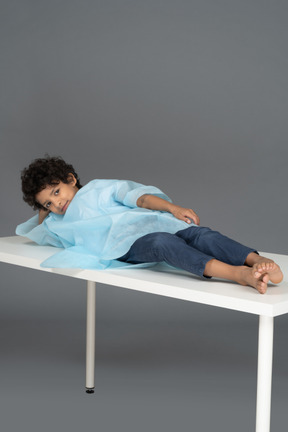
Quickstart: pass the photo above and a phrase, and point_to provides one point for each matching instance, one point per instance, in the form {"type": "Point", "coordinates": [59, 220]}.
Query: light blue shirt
{"type": "Point", "coordinates": [100, 225]}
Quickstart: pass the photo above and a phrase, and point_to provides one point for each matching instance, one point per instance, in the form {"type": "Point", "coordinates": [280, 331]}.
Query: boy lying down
{"type": "Point", "coordinates": [114, 223]}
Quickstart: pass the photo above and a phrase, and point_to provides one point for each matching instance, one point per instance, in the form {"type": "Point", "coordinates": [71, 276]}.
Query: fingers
{"type": "Point", "coordinates": [196, 219]}
{"type": "Point", "coordinates": [187, 215]}
{"type": "Point", "coordinates": [192, 215]}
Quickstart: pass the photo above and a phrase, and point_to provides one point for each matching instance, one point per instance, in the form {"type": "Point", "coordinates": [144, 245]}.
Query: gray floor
{"type": "Point", "coordinates": [161, 364]}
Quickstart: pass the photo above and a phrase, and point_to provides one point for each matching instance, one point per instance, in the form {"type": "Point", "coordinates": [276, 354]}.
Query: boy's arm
{"type": "Point", "coordinates": [42, 215]}
{"type": "Point", "coordinates": [153, 202]}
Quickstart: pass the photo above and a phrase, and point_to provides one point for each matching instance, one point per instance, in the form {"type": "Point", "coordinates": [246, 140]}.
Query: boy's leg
{"type": "Point", "coordinates": [230, 252]}
{"type": "Point", "coordinates": [173, 250]}
{"type": "Point", "coordinates": [216, 244]}
{"type": "Point", "coordinates": [157, 247]}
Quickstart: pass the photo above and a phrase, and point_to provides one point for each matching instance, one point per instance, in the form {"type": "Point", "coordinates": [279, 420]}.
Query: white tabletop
{"type": "Point", "coordinates": [161, 280]}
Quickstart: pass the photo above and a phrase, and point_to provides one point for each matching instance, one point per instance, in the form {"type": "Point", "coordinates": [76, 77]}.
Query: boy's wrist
{"type": "Point", "coordinates": [170, 207]}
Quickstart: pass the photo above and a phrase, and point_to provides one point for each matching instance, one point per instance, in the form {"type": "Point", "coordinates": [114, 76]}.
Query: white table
{"type": "Point", "coordinates": [176, 284]}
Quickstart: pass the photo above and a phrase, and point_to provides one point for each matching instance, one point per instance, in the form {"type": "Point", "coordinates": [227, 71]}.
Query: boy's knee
{"type": "Point", "coordinates": [159, 243]}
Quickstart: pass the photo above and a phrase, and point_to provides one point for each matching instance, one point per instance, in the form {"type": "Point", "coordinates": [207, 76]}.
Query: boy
{"type": "Point", "coordinates": [112, 223]}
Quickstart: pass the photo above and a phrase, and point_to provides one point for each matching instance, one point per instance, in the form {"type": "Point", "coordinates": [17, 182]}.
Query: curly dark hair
{"type": "Point", "coordinates": [44, 172]}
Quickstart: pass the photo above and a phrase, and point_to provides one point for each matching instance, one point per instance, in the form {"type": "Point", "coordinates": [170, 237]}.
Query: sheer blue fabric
{"type": "Point", "coordinates": [100, 225]}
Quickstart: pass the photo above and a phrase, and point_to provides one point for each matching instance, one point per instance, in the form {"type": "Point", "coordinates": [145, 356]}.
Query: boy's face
{"type": "Point", "coordinates": [56, 198]}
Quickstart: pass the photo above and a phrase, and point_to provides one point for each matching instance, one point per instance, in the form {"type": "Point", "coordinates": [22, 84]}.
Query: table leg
{"type": "Point", "coordinates": [90, 336]}
{"type": "Point", "coordinates": [264, 380]}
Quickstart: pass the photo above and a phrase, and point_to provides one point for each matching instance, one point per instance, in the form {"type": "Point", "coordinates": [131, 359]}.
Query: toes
{"type": "Point", "coordinates": [274, 272]}
{"type": "Point", "coordinates": [264, 267]}
{"type": "Point", "coordinates": [261, 272]}
{"type": "Point", "coordinates": [258, 269]}
{"type": "Point", "coordinates": [262, 287]}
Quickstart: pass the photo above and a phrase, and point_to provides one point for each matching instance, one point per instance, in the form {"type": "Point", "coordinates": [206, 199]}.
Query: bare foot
{"type": "Point", "coordinates": [256, 275]}
{"type": "Point", "coordinates": [268, 267]}
{"type": "Point", "coordinates": [248, 277]}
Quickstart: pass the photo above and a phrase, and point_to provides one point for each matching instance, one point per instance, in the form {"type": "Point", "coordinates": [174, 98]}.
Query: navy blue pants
{"type": "Point", "coordinates": [189, 249]}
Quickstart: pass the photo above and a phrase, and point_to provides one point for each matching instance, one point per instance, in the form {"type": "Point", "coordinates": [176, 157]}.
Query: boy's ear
{"type": "Point", "coordinates": [71, 179]}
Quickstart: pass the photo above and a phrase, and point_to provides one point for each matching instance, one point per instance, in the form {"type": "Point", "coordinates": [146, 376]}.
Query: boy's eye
{"type": "Point", "coordinates": [48, 205]}
{"type": "Point", "coordinates": [57, 192]}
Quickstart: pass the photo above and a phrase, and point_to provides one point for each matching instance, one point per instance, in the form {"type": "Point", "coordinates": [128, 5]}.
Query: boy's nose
{"type": "Point", "coordinates": [57, 203]}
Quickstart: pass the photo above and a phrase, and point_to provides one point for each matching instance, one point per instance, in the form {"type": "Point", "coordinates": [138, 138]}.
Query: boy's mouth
{"type": "Point", "coordinates": [64, 208]}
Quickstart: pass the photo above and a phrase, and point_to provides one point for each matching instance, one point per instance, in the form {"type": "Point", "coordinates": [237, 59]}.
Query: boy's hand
{"type": "Point", "coordinates": [42, 215]}
{"type": "Point", "coordinates": [185, 214]}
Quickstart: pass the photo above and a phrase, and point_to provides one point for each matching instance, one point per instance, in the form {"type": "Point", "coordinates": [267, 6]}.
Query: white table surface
{"type": "Point", "coordinates": [166, 281]}
{"type": "Point", "coordinates": [161, 280]}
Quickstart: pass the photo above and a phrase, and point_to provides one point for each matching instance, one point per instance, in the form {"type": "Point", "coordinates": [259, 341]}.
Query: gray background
{"type": "Point", "coordinates": [190, 96]}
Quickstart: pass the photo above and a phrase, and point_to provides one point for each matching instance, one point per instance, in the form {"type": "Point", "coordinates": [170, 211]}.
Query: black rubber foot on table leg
{"type": "Point", "coordinates": [89, 390]}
